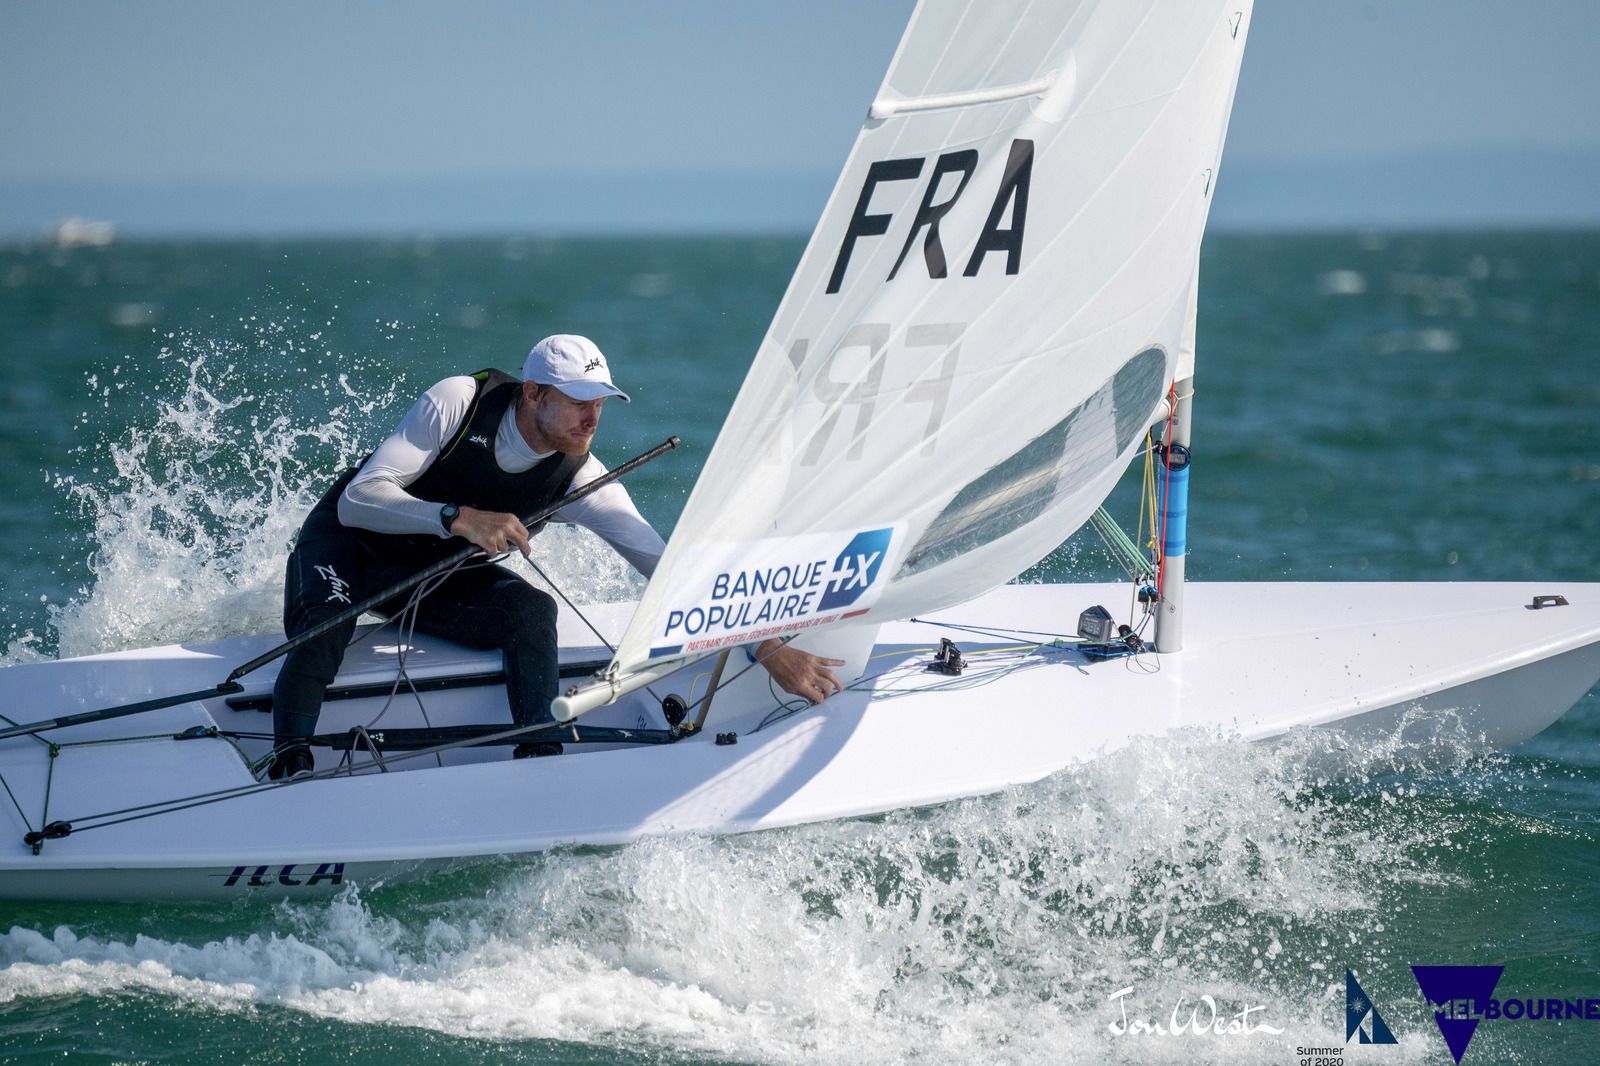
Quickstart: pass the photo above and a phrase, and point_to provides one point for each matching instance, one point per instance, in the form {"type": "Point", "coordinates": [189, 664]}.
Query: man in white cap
{"type": "Point", "coordinates": [474, 453]}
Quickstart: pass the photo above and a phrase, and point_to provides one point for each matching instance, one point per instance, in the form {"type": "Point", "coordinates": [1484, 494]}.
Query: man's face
{"type": "Point", "coordinates": [565, 423]}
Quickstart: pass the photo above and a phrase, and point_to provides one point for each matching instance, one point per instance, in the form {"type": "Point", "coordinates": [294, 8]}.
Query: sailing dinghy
{"type": "Point", "coordinates": [992, 320]}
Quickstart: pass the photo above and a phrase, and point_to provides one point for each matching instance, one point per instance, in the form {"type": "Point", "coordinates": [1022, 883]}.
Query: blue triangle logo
{"type": "Point", "coordinates": [1358, 1007]}
{"type": "Point", "coordinates": [1445, 985]}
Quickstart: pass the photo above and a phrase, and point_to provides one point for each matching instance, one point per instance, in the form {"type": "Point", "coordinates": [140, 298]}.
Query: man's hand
{"type": "Point", "coordinates": [493, 531]}
{"type": "Point", "coordinates": [799, 673]}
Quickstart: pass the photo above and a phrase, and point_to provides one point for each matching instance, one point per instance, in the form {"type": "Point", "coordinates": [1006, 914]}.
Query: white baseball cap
{"type": "Point", "coordinates": [572, 364]}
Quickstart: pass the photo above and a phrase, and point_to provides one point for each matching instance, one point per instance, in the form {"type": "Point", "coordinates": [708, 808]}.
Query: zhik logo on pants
{"type": "Point", "coordinates": [338, 587]}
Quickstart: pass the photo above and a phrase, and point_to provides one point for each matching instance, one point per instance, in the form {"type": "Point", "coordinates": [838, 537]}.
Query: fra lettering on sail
{"type": "Point", "coordinates": [1012, 192]}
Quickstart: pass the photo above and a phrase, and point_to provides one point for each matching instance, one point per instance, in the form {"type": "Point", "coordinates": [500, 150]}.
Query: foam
{"type": "Point", "coordinates": [994, 929]}
{"type": "Point", "coordinates": [194, 507]}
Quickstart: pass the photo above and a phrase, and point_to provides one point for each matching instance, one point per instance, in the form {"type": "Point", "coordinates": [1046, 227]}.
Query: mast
{"type": "Point", "coordinates": [1175, 458]}
{"type": "Point", "coordinates": [1176, 454]}
{"type": "Point", "coordinates": [1175, 521]}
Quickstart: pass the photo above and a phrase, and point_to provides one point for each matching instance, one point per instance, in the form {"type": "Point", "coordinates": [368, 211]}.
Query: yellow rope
{"type": "Point", "coordinates": [1148, 506]}
{"type": "Point", "coordinates": [899, 651]}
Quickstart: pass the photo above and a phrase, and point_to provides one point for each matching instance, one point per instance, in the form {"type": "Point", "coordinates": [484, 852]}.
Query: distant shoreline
{"type": "Point", "coordinates": [1529, 189]}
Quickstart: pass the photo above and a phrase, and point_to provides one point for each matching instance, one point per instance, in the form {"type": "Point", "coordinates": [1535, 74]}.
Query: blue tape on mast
{"type": "Point", "coordinates": [1176, 541]}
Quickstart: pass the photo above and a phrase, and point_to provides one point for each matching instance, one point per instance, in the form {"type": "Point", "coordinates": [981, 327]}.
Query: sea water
{"type": "Point", "coordinates": [1369, 407]}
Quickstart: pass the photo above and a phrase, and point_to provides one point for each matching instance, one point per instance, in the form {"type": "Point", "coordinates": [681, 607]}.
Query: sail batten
{"type": "Point", "coordinates": [985, 320]}
{"type": "Point", "coordinates": [889, 107]}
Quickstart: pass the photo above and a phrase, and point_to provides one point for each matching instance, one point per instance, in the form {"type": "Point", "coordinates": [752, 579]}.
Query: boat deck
{"type": "Point", "coordinates": [1261, 659]}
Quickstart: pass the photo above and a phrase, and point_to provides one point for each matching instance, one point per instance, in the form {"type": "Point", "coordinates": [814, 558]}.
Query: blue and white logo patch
{"type": "Point", "coordinates": [727, 594]}
{"type": "Point", "coordinates": [856, 568]}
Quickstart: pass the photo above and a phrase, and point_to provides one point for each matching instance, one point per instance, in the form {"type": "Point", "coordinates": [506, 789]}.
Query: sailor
{"type": "Point", "coordinates": [472, 454]}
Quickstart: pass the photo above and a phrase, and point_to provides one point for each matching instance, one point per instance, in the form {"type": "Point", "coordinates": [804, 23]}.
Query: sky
{"type": "Point", "coordinates": [224, 116]}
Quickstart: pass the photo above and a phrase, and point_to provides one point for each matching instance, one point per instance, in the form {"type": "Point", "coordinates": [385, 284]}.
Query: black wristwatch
{"type": "Point", "coordinates": [448, 515]}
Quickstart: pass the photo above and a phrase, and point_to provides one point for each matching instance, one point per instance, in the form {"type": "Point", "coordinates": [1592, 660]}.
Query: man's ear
{"type": "Point", "coordinates": [530, 392]}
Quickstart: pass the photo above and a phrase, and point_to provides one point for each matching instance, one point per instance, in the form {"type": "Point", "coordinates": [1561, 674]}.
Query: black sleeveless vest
{"type": "Point", "coordinates": [466, 474]}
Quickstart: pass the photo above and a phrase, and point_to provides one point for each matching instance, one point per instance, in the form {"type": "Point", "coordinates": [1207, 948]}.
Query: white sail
{"type": "Point", "coordinates": [981, 327]}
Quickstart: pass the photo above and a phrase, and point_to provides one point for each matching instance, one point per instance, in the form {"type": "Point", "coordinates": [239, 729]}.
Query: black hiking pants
{"type": "Point", "coordinates": [334, 566]}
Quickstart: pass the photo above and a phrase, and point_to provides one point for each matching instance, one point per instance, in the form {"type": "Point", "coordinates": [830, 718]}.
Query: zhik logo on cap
{"type": "Point", "coordinates": [572, 364]}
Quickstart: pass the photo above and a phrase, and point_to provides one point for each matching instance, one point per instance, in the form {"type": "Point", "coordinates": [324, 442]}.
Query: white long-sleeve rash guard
{"type": "Point", "coordinates": [376, 497]}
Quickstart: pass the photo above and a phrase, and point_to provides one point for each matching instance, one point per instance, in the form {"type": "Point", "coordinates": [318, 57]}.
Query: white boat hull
{"type": "Point", "coordinates": [1396, 661]}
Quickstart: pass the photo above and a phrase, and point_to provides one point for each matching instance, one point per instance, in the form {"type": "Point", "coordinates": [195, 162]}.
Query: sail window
{"type": "Point", "coordinates": [1053, 465]}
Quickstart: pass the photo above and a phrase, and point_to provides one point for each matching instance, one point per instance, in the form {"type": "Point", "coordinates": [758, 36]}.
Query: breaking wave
{"type": "Point", "coordinates": [997, 929]}
{"type": "Point", "coordinates": [192, 508]}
